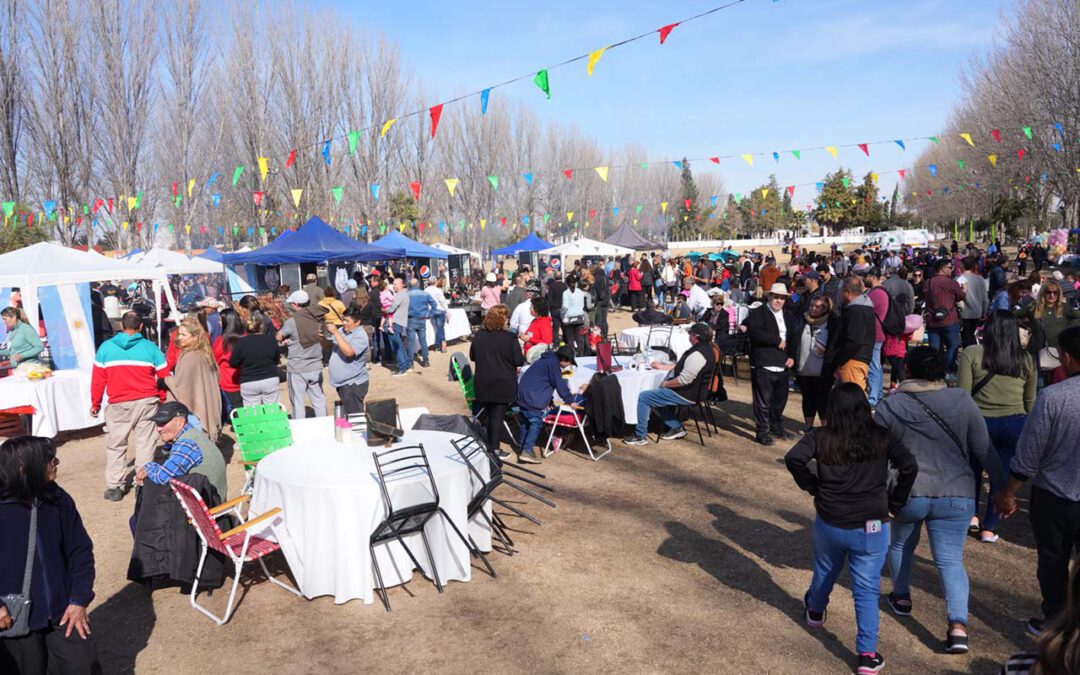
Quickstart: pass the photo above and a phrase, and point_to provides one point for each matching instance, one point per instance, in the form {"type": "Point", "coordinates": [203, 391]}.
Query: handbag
{"type": "Point", "coordinates": [1049, 358]}
{"type": "Point", "coordinates": [18, 604]}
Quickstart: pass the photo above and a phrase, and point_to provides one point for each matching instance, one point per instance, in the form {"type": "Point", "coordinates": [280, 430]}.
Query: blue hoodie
{"type": "Point", "coordinates": [540, 380]}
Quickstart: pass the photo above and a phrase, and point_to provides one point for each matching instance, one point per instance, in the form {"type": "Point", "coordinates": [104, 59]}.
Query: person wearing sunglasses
{"type": "Point", "coordinates": [1048, 316]}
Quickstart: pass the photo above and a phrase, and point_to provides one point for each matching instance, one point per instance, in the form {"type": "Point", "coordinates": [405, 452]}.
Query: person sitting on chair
{"type": "Point", "coordinates": [534, 396]}
{"type": "Point", "coordinates": [684, 386]}
{"type": "Point", "coordinates": [190, 450]}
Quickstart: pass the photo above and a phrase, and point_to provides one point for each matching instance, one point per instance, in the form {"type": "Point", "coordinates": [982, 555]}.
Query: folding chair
{"type": "Point", "coordinates": [238, 544]}
{"type": "Point", "coordinates": [403, 520]}
{"type": "Point", "coordinates": [700, 405]}
{"type": "Point", "coordinates": [468, 390]}
{"type": "Point", "coordinates": [474, 453]}
{"type": "Point", "coordinates": [572, 416]}
{"type": "Point", "coordinates": [260, 430]}
{"type": "Point", "coordinates": [659, 336]}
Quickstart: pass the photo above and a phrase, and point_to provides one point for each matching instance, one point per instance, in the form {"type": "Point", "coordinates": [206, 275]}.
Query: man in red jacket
{"type": "Point", "coordinates": [128, 366]}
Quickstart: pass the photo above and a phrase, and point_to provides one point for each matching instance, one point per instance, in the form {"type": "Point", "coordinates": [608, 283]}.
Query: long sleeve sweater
{"type": "Point", "coordinates": [1047, 451]}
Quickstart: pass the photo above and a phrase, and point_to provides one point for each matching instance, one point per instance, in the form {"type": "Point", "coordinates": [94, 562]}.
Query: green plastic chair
{"type": "Point", "coordinates": [260, 430]}
{"type": "Point", "coordinates": [468, 390]}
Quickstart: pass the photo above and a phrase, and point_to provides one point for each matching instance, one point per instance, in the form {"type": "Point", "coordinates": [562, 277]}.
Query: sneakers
{"type": "Point", "coordinates": [674, 434]}
{"type": "Point", "coordinates": [114, 494]}
{"type": "Point", "coordinates": [812, 618]}
{"type": "Point", "coordinates": [528, 458]}
{"type": "Point", "coordinates": [900, 606]}
{"type": "Point", "coordinates": [869, 664]}
{"type": "Point", "coordinates": [400, 373]}
{"type": "Point", "coordinates": [956, 643]}
{"type": "Point", "coordinates": [781, 434]}
{"type": "Point", "coordinates": [504, 455]}
{"type": "Point", "coordinates": [988, 537]}
{"type": "Point", "coordinates": [556, 444]}
{"type": "Point", "coordinates": [764, 440]}
{"type": "Point", "coordinates": [1035, 626]}
{"type": "Point", "coordinates": [425, 364]}
{"type": "Point", "coordinates": [635, 440]}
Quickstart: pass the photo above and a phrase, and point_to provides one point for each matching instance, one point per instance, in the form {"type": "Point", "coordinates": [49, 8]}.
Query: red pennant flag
{"type": "Point", "coordinates": [30, 220]}
{"type": "Point", "coordinates": [865, 147]}
{"type": "Point", "coordinates": [175, 189]}
{"type": "Point", "coordinates": [569, 173]}
{"type": "Point", "coordinates": [78, 220]}
{"type": "Point", "coordinates": [259, 198]}
{"type": "Point", "coordinates": [688, 202]}
{"type": "Point", "coordinates": [714, 160]}
{"type": "Point", "coordinates": [436, 114]}
{"type": "Point", "coordinates": [416, 189]}
{"type": "Point", "coordinates": [138, 226]}
{"type": "Point", "coordinates": [503, 221]}
{"type": "Point", "coordinates": [903, 172]}
{"type": "Point", "coordinates": [1027, 179]}
{"type": "Point", "coordinates": [592, 213]}
{"type": "Point", "coordinates": [666, 31]}
{"type": "Point", "coordinates": [791, 190]}
{"type": "Point", "coordinates": [423, 225]}
{"type": "Point", "coordinates": [111, 199]}
{"type": "Point", "coordinates": [1019, 153]}
{"type": "Point", "coordinates": [929, 193]}
{"type": "Point", "coordinates": [997, 134]}
{"type": "Point", "coordinates": [202, 229]}
{"type": "Point", "coordinates": [291, 160]}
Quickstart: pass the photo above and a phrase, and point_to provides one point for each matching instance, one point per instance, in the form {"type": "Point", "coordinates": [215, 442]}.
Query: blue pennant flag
{"type": "Point", "coordinates": [714, 199]}
{"type": "Point", "coordinates": [678, 164]}
{"type": "Point", "coordinates": [1057, 146]}
{"type": "Point", "coordinates": [901, 144]}
{"type": "Point", "coordinates": [213, 178]}
{"type": "Point", "coordinates": [525, 220]}
{"type": "Point", "coordinates": [1060, 127]}
{"type": "Point", "coordinates": [484, 96]}
{"type": "Point", "coordinates": [820, 186]}
{"type": "Point", "coordinates": [528, 177]}
{"type": "Point", "coordinates": [776, 156]}
{"type": "Point", "coordinates": [933, 169]}
{"type": "Point", "coordinates": [217, 199]}
{"type": "Point", "coordinates": [615, 210]}
{"type": "Point", "coordinates": [375, 191]}
{"type": "Point", "coordinates": [326, 152]}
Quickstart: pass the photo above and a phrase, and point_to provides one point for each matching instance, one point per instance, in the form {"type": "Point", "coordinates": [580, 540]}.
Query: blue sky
{"type": "Point", "coordinates": [758, 77]}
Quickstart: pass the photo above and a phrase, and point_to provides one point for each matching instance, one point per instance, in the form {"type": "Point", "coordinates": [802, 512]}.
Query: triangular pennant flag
{"type": "Point", "coordinates": [569, 216]}
{"type": "Point", "coordinates": [749, 159]}
{"type": "Point", "coordinates": [993, 159]}
{"type": "Point", "coordinates": [236, 175]}
{"type": "Point", "coordinates": [375, 191]}
{"type": "Point", "coordinates": [1019, 153]}
{"type": "Point", "coordinates": [713, 199]}
{"type": "Point", "coordinates": [296, 194]}
{"type": "Point", "coordinates": [688, 203]}
{"type": "Point", "coordinates": [569, 173]}
{"type": "Point", "coordinates": [451, 185]}
{"type": "Point", "coordinates": [820, 186]}
{"type": "Point", "coordinates": [832, 150]}
{"type": "Point", "coordinates": [541, 80]}
{"type": "Point", "coordinates": [797, 154]}
{"type": "Point", "coordinates": [714, 160]}
{"type": "Point", "coordinates": [339, 190]}
{"type": "Point", "coordinates": [764, 192]}
{"type": "Point", "coordinates": [547, 217]}
{"type": "Point", "coordinates": [846, 181]}
{"type": "Point", "coordinates": [386, 127]}
{"type": "Point", "coordinates": [190, 187]}
{"type": "Point", "coordinates": [187, 228]}
{"type": "Point", "coordinates": [665, 31]}
{"type": "Point", "coordinates": [9, 208]}
{"type": "Point", "coordinates": [291, 160]}
{"type": "Point", "coordinates": [354, 140]}
{"type": "Point", "coordinates": [933, 169]}
{"type": "Point", "coordinates": [175, 189]}
{"type": "Point", "coordinates": [259, 197]}
{"type": "Point", "coordinates": [602, 171]}
{"type": "Point", "coordinates": [528, 178]}
{"type": "Point", "coordinates": [902, 172]}
{"type": "Point", "coordinates": [264, 168]}
{"type": "Point", "coordinates": [483, 223]}
{"type": "Point", "coordinates": [130, 200]}
{"type": "Point", "coordinates": [874, 177]}
{"type": "Point", "coordinates": [494, 180]}
{"type": "Point", "coordinates": [415, 187]}
{"type": "Point", "coordinates": [967, 137]}
{"type": "Point", "coordinates": [217, 199]}
{"type": "Point", "coordinates": [901, 144]}
{"type": "Point", "coordinates": [326, 152]}
{"type": "Point", "coordinates": [484, 96]}
{"type": "Point", "coordinates": [641, 206]}
{"type": "Point", "coordinates": [996, 133]}
{"type": "Point", "coordinates": [210, 182]}
{"type": "Point", "coordinates": [935, 139]}
{"type": "Point", "coordinates": [865, 147]}
{"type": "Point", "coordinates": [678, 164]}
{"type": "Point", "coordinates": [776, 157]}
{"type": "Point", "coordinates": [1027, 132]}
{"type": "Point", "coordinates": [791, 190]}
{"type": "Point", "coordinates": [594, 57]}
{"type": "Point", "coordinates": [738, 198]}
{"type": "Point", "coordinates": [436, 114]}
{"type": "Point", "coordinates": [961, 163]}
{"type": "Point", "coordinates": [663, 207]}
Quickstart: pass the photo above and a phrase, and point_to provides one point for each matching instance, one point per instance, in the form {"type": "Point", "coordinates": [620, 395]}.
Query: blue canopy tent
{"type": "Point", "coordinates": [211, 254]}
{"type": "Point", "coordinates": [314, 242]}
{"type": "Point", "coordinates": [413, 249]}
{"type": "Point", "coordinates": [529, 244]}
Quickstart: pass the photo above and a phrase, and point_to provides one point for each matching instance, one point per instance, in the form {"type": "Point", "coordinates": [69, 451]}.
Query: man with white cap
{"type": "Point", "coordinates": [209, 307]}
{"type": "Point", "coordinates": [303, 333]}
{"type": "Point", "coordinates": [771, 357]}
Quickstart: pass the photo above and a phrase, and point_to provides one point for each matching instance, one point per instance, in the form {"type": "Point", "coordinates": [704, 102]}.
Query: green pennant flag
{"type": "Point", "coordinates": [337, 193]}
{"type": "Point", "coordinates": [961, 163]}
{"type": "Point", "coordinates": [547, 217]}
{"type": "Point", "coordinates": [138, 199]}
{"type": "Point", "coordinates": [797, 153]}
{"type": "Point", "coordinates": [354, 138]}
{"type": "Point", "coordinates": [235, 230]}
{"type": "Point", "coordinates": [1027, 132]}
{"type": "Point", "coordinates": [236, 174]}
{"type": "Point", "coordinates": [178, 199]}
{"type": "Point", "coordinates": [738, 198]}
{"type": "Point", "coordinates": [935, 139]}
{"type": "Point", "coordinates": [644, 165]}
{"type": "Point", "coordinates": [494, 180]}
{"type": "Point", "coordinates": [9, 208]}
{"type": "Point", "coordinates": [86, 209]}
{"type": "Point", "coordinates": [541, 80]}
{"type": "Point", "coordinates": [847, 182]}
{"type": "Point", "coordinates": [639, 207]}
{"type": "Point", "coordinates": [172, 228]}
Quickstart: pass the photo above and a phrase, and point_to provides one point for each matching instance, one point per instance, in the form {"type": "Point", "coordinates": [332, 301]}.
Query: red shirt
{"type": "Point", "coordinates": [229, 377]}
{"type": "Point", "coordinates": [541, 332]}
{"type": "Point", "coordinates": [635, 279]}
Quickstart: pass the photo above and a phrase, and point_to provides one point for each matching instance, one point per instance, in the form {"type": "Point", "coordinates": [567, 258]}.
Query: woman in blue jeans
{"type": "Point", "coordinates": [943, 428]}
{"type": "Point", "coordinates": [1002, 379]}
{"type": "Point", "coordinates": [853, 503]}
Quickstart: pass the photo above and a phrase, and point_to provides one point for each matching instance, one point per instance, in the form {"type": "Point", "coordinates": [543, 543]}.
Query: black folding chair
{"type": "Point", "coordinates": [401, 521]}
{"type": "Point", "coordinates": [700, 405]}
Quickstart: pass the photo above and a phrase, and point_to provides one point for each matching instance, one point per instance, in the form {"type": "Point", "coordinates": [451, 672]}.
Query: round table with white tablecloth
{"type": "Point", "coordinates": [632, 382]}
{"type": "Point", "coordinates": [457, 326]}
{"type": "Point", "coordinates": [331, 501]}
{"type": "Point", "coordinates": [61, 402]}
{"type": "Point", "coordinates": [655, 336]}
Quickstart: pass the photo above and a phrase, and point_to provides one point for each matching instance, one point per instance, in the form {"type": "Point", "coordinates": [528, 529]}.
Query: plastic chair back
{"type": "Point", "coordinates": [260, 430]}
{"type": "Point", "coordinates": [193, 504]}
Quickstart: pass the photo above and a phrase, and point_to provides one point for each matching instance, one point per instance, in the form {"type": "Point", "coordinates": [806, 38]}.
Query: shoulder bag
{"type": "Point", "coordinates": [941, 423]}
{"type": "Point", "coordinates": [980, 384]}
{"type": "Point", "coordinates": [18, 604]}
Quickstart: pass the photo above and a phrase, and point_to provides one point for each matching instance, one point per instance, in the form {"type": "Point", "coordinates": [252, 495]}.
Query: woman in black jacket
{"type": "Point", "coordinates": [62, 575]}
{"type": "Point", "coordinates": [497, 354]}
{"type": "Point", "coordinates": [853, 503]}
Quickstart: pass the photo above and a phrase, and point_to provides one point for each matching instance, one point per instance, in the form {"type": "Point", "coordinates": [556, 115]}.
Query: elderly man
{"type": "Point", "coordinates": [421, 308]}
{"type": "Point", "coordinates": [687, 382]}
{"type": "Point", "coordinates": [315, 293]}
{"type": "Point", "coordinates": [189, 451]}
{"type": "Point", "coordinates": [772, 351]}
{"type": "Point", "coordinates": [302, 332]}
{"type": "Point", "coordinates": [697, 300]}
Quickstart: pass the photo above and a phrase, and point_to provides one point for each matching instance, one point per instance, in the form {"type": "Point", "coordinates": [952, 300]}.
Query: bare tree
{"type": "Point", "coordinates": [12, 28]}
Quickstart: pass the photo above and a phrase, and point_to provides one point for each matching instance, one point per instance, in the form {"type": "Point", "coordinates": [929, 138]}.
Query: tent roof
{"type": "Point", "coordinates": [211, 254]}
{"type": "Point", "coordinates": [583, 246]}
{"type": "Point", "coordinates": [174, 262]}
{"type": "Point", "coordinates": [314, 242]}
{"type": "Point", "coordinates": [627, 236]}
{"type": "Point", "coordinates": [452, 250]}
{"type": "Point", "coordinates": [49, 263]}
{"type": "Point", "coordinates": [413, 248]}
{"type": "Point", "coordinates": [529, 243]}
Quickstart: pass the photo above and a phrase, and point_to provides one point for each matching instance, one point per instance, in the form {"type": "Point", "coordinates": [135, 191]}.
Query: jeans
{"type": "Point", "coordinates": [397, 345]}
{"type": "Point", "coordinates": [532, 422]}
{"type": "Point", "coordinates": [352, 397]}
{"type": "Point", "coordinates": [1004, 434]}
{"type": "Point", "coordinates": [47, 650]}
{"type": "Point", "coordinates": [877, 375]}
{"type": "Point", "coordinates": [865, 554]}
{"type": "Point", "coordinates": [947, 520]}
{"type": "Point", "coordinates": [1056, 525]}
{"type": "Point", "coordinates": [417, 331]}
{"type": "Point", "coordinates": [664, 401]}
{"type": "Point", "coordinates": [440, 329]}
{"type": "Point", "coordinates": [949, 337]}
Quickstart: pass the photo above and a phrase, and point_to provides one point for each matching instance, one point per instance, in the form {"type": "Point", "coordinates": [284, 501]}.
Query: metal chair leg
{"type": "Point", "coordinates": [431, 558]}
{"type": "Point", "coordinates": [378, 578]}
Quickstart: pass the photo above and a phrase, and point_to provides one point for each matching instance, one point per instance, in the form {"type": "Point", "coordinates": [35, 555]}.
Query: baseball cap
{"type": "Point", "coordinates": [812, 275]}
{"type": "Point", "coordinates": [167, 412]}
{"type": "Point", "coordinates": [298, 297]}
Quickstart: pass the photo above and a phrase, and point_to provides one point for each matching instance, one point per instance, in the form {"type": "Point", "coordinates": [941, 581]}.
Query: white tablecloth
{"type": "Point", "coordinates": [331, 502]}
{"type": "Point", "coordinates": [62, 401]}
{"type": "Point", "coordinates": [630, 338]}
{"type": "Point", "coordinates": [457, 326]}
{"type": "Point", "coordinates": [632, 382]}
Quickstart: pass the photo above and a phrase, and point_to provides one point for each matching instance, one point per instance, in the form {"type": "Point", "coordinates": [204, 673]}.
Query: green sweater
{"type": "Point", "coordinates": [23, 342]}
{"type": "Point", "coordinates": [1002, 395]}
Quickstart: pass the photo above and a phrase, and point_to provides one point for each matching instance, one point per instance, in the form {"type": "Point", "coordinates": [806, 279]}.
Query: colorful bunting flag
{"type": "Point", "coordinates": [901, 144]}
{"type": "Point", "coordinates": [484, 96]}
{"type": "Point", "coordinates": [326, 152]}
{"type": "Point", "coordinates": [996, 133]}
{"type": "Point", "coordinates": [797, 154]}
{"type": "Point", "coordinates": [541, 80]}
{"type": "Point", "coordinates": [258, 198]}
{"type": "Point", "coordinates": [749, 159]}
{"type": "Point", "coordinates": [291, 160]}
{"type": "Point", "coordinates": [791, 190]}
{"type": "Point", "coordinates": [528, 178]}
{"type": "Point", "coordinates": [993, 160]}
{"type": "Point", "coordinates": [436, 114]}
{"type": "Point", "coordinates": [776, 156]}
{"type": "Point", "coordinates": [967, 137]}
{"type": "Point", "coordinates": [210, 182]}
{"type": "Point", "coordinates": [451, 185]}
{"type": "Point", "coordinates": [602, 171]}
{"type": "Point", "coordinates": [9, 209]}
{"type": "Point", "coordinates": [1021, 152]}
{"type": "Point", "coordinates": [415, 187]}
{"type": "Point", "coordinates": [354, 140]}
{"type": "Point", "coordinates": [594, 57]}
{"type": "Point", "coordinates": [131, 202]}
{"type": "Point", "coordinates": [865, 147]}
{"type": "Point", "coordinates": [569, 216]}
{"type": "Point", "coordinates": [1027, 132]}
{"type": "Point", "coordinates": [832, 150]}
{"type": "Point", "coordinates": [264, 169]}
{"type": "Point", "coordinates": [961, 163]}
{"type": "Point", "coordinates": [340, 190]}
{"type": "Point", "coordinates": [375, 191]}
{"type": "Point", "coordinates": [902, 172]}
{"type": "Point", "coordinates": [933, 169]}
{"type": "Point", "coordinates": [569, 173]}
{"type": "Point", "coordinates": [663, 207]}
{"type": "Point", "coordinates": [296, 194]}
{"type": "Point", "coordinates": [494, 180]}
{"type": "Point", "coordinates": [714, 160]}
{"type": "Point", "coordinates": [935, 139]}
{"type": "Point", "coordinates": [641, 206]}
{"type": "Point", "coordinates": [386, 127]}
{"type": "Point", "coordinates": [236, 175]}
{"type": "Point", "coordinates": [764, 192]}
{"type": "Point", "coordinates": [665, 31]}
{"type": "Point", "coordinates": [217, 199]}
{"type": "Point", "coordinates": [846, 181]}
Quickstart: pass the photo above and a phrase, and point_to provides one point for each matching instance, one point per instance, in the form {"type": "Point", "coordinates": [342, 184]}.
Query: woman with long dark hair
{"type": "Point", "coordinates": [1002, 379]}
{"type": "Point", "coordinates": [232, 329]}
{"type": "Point", "coordinates": [62, 571]}
{"type": "Point", "coordinates": [853, 503]}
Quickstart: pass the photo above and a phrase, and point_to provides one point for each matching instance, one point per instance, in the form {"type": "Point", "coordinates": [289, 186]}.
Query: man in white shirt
{"type": "Point", "coordinates": [522, 317]}
{"type": "Point", "coordinates": [698, 300]}
{"type": "Point", "coordinates": [771, 357]}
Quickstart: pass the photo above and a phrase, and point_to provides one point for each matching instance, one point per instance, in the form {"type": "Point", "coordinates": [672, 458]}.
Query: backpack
{"type": "Point", "coordinates": [893, 323]}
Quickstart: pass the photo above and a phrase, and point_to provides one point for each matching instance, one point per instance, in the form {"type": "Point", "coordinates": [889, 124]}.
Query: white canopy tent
{"type": "Point", "coordinates": [174, 262]}
{"type": "Point", "coordinates": [587, 247]}
{"type": "Point", "coordinates": [453, 250]}
{"type": "Point", "coordinates": [50, 264]}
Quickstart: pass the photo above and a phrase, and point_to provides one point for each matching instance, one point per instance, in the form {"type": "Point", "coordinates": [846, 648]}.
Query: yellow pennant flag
{"type": "Point", "coordinates": [602, 171]}
{"type": "Point", "coordinates": [764, 192]}
{"type": "Point", "coordinates": [749, 159]}
{"type": "Point", "coordinates": [386, 127]}
{"type": "Point", "coordinates": [663, 207]}
{"type": "Point", "coordinates": [131, 202]}
{"type": "Point", "coordinates": [483, 223]}
{"type": "Point", "coordinates": [874, 177]}
{"type": "Point", "coordinates": [832, 150]}
{"type": "Point", "coordinates": [264, 166]}
{"type": "Point", "coordinates": [967, 137]}
{"type": "Point", "coordinates": [993, 160]}
{"type": "Point", "coordinates": [190, 187]}
{"type": "Point", "coordinates": [125, 224]}
{"type": "Point", "coordinates": [570, 216]}
{"type": "Point", "coordinates": [188, 228]}
{"type": "Point", "coordinates": [451, 185]}
{"type": "Point", "coordinates": [594, 57]}
{"type": "Point", "coordinates": [296, 194]}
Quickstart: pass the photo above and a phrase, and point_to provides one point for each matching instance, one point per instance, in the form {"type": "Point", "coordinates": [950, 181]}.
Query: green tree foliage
{"type": "Point", "coordinates": [691, 222]}
{"type": "Point", "coordinates": [16, 234]}
{"type": "Point", "coordinates": [763, 209]}
{"type": "Point", "coordinates": [403, 208]}
{"type": "Point", "coordinates": [869, 211]}
{"type": "Point", "coordinates": [835, 208]}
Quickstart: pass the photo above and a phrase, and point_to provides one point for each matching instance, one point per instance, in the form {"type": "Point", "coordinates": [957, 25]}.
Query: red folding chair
{"type": "Point", "coordinates": [572, 417]}
{"type": "Point", "coordinates": [239, 544]}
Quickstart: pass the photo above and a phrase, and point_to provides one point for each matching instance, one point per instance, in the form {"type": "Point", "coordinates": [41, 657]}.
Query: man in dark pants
{"type": "Point", "coordinates": [1047, 456]}
{"type": "Point", "coordinates": [771, 359]}
{"type": "Point", "coordinates": [555, 290]}
{"type": "Point", "coordinates": [602, 293]}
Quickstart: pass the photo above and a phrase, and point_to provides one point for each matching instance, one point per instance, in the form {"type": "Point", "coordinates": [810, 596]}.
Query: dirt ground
{"type": "Point", "coordinates": [659, 558]}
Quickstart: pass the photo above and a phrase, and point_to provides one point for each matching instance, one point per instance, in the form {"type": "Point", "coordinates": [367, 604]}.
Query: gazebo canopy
{"type": "Point", "coordinates": [587, 247]}
{"type": "Point", "coordinates": [314, 242]}
{"type": "Point", "coordinates": [627, 236]}
{"type": "Point", "coordinates": [451, 250]}
{"type": "Point", "coordinates": [413, 248]}
{"type": "Point", "coordinates": [174, 262]}
{"type": "Point", "coordinates": [212, 254]}
{"type": "Point", "coordinates": [528, 244]}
